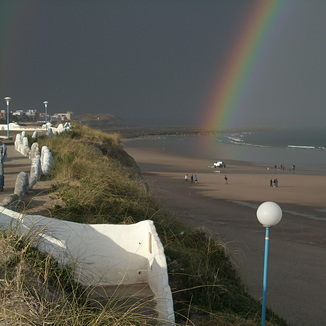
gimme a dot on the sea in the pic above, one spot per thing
(291, 148)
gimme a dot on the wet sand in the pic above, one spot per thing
(296, 285)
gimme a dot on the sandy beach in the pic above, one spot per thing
(296, 285)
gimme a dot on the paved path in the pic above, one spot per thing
(14, 164)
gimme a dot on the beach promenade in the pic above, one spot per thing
(14, 164)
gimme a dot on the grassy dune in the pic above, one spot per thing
(97, 182)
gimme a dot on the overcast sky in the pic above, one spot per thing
(156, 61)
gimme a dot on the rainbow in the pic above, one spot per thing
(253, 34)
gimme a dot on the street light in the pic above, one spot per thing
(268, 214)
(46, 113)
(7, 99)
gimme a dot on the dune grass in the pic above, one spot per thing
(95, 180)
(36, 291)
(99, 183)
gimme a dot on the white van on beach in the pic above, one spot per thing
(219, 164)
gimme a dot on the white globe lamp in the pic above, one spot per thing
(269, 214)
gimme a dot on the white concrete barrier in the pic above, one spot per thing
(101, 254)
(35, 151)
(60, 129)
(67, 126)
(49, 132)
(21, 185)
(21, 144)
(35, 134)
(46, 160)
(18, 142)
(25, 148)
(41, 163)
(35, 172)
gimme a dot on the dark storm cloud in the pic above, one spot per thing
(149, 61)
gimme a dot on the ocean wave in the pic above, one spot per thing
(247, 144)
(275, 140)
(301, 147)
(233, 139)
(315, 148)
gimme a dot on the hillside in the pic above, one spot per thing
(94, 116)
(96, 181)
(101, 119)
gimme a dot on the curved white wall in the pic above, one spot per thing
(101, 254)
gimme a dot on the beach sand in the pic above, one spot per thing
(296, 284)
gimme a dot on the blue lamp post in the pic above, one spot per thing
(7, 99)
(46, 113)
(268, 214)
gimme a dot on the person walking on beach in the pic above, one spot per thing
(192, 178)
(196, 178)
(271, 183)
(3, 155)
(226, 179)
(186, 178)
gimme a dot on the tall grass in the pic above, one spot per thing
(95, 180)
(35, 291)
(100, 183)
